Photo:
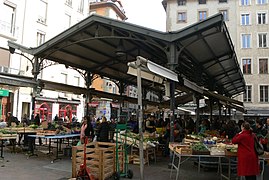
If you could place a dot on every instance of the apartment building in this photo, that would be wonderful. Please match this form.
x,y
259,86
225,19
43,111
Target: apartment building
x,y
33,22
247,22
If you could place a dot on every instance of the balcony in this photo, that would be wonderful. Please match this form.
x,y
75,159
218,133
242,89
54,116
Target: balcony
x,y
8,31
8,70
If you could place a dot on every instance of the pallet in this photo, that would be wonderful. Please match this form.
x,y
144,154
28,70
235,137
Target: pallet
x,y
100,159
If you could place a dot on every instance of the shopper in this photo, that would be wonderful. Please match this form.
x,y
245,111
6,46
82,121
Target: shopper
x,y
103,131
11,119
86,129
248,161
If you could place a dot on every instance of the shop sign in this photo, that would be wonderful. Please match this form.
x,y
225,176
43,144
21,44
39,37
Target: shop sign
x,y
4,92
93,104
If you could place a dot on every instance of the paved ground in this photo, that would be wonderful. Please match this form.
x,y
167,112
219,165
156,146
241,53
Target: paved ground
x,y
19,167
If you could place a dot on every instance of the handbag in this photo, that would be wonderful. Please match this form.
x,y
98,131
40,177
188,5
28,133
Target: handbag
x,y
258,147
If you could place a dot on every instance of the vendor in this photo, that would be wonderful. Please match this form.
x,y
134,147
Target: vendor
x,y
150,124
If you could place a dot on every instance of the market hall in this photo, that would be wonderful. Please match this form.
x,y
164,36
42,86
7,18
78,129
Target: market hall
x,y
202,55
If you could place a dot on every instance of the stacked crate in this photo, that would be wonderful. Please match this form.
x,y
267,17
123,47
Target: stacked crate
x,y
100,159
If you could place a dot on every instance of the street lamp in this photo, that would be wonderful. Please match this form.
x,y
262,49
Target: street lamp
x,y
143,68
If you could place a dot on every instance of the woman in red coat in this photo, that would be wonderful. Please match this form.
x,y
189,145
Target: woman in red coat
x,y
248,161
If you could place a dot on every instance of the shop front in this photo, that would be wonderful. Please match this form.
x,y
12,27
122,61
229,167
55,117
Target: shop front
x,y
48,108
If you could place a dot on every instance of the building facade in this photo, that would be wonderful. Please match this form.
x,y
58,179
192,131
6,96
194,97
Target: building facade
x,y
31,23
31,27
247,22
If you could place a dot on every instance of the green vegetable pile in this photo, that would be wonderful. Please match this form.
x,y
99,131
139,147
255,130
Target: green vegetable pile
x,y
199,147
33,126
3,131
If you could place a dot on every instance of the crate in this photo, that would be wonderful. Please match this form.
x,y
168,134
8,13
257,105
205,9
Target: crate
x,y
183,150
100,159
45,133
173,145
8,136
136,160
231,154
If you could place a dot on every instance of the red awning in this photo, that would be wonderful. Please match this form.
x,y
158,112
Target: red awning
x,y
115,105
93,104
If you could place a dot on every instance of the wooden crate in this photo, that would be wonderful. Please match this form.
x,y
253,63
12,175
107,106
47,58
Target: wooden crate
x,y
183,150
231,154
100,159
173,145
8,136
136,160
45,133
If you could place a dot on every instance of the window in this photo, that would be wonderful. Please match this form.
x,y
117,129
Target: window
x,y
245,2
76,81
261,1
40,38
68,3
245,19
64,78
262,40
261,18
225,14
246,66
263,66
222,1
264,93
202,15
181,2
182,17
246,39
247,94
202,1
7,20
81,6
42,12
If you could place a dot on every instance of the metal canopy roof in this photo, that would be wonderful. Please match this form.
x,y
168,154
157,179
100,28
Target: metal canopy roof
x,y
104,46
208,57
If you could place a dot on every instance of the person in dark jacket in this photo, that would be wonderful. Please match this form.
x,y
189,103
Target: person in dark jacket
x,y
103,131
261,133
11,119
37,120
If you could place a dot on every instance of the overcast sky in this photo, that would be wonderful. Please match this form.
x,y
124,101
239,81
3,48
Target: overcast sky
x,y
148,13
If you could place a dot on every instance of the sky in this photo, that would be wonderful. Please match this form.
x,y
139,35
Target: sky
x,y
148,13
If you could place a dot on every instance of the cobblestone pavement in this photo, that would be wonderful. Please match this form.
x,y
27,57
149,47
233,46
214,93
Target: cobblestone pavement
x,y
19,167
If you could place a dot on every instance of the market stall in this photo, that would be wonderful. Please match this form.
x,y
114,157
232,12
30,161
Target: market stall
x,y
217,151
6,135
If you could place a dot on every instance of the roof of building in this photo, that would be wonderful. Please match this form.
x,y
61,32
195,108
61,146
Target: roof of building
x,y
204,51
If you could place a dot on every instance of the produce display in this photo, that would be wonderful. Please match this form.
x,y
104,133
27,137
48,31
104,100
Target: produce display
x,y
4,131
7,134
203,144
199,147
33,126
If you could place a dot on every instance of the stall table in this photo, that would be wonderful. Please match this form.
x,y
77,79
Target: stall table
x,y
220,157
58,138
3,138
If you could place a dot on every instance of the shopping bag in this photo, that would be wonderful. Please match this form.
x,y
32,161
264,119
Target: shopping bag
x,y
258,147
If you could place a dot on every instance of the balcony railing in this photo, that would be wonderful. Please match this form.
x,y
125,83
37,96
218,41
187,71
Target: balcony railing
x,y
8,70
